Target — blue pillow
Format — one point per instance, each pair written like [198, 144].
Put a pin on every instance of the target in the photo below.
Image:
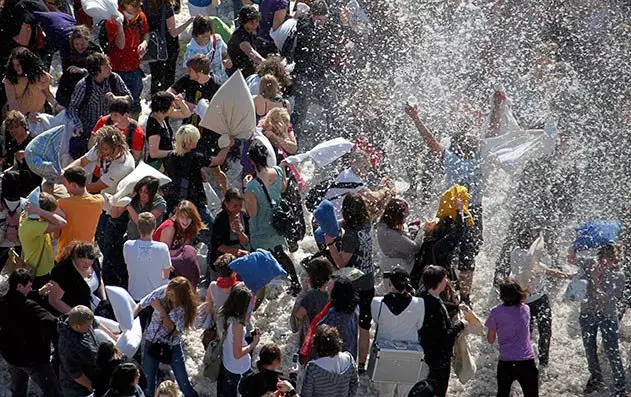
[257, 269]
[58, 26]
[325, 216]
[319, 235]
[596, 233]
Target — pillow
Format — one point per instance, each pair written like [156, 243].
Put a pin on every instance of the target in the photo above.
[595, 234]
[102, 9]
[257, 269]
[126, 186]
[318, 235]
[57, 26]
[129, 341]
[123, 305]
[325, 216]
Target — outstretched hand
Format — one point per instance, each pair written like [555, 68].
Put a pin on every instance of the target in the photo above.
[411, 111]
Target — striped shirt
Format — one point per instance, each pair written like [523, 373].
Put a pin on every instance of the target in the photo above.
[97, 105]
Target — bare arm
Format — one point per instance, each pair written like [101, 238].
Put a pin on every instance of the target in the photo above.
[434, 146]
[175, 31]
[154, 148]
[181, 110]
[279, 18]
[80, 162]
[491, 335]
[116, 212]
[164, 316]
[250, 204]
[300, 313]
[120, 35]
[167, 236]
[97, 186]
[251, 52]
[238, 350]
[12, 97]
[84, 381]
[288, 144]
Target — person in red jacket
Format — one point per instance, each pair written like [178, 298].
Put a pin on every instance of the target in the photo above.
[127, 45]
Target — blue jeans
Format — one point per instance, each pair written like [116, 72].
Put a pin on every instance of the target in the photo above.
[133, 81]
[150, 366]
[608, 324]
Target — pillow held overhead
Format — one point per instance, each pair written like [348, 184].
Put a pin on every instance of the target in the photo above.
[126, 186]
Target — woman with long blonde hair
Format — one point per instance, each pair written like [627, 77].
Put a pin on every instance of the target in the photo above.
[277, 128]
[175, 308]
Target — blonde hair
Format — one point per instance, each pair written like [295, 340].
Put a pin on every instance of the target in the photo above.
[185, 134]
[169, 388]
[276, 117]
[146, 223]
[15, 118]
[269, 87]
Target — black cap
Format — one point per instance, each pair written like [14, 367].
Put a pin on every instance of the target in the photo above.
[399, 278]
[319, 7]
[247, 14]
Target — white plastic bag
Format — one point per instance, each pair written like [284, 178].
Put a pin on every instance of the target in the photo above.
[102, 9]
[464, 365]
[577, 289]
[213, 200]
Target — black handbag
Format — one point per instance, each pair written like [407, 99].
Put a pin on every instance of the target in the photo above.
[283, 218]
[160, 351]
[157, 43]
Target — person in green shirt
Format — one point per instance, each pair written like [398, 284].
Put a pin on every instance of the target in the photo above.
[37, 222]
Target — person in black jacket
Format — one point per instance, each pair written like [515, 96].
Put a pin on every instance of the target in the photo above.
[256, 384]
[231, 228]
[26, 332]
[108, 358]
[438, 334]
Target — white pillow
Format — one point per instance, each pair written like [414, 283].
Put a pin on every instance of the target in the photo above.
[123, 305]
[126, 186]
[129, 341]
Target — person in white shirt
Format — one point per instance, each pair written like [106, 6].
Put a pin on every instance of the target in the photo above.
[399, 317]
[111, 161]
[148, 262]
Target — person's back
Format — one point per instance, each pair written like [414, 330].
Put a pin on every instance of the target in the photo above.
[146, 263]
[262, 233]
[398, 316]
[513, 330]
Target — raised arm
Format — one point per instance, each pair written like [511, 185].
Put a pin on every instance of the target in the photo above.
[434, 146]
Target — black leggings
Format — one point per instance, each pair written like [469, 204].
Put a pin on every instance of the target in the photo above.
[163, 74]
[541, 312]
[524, 372]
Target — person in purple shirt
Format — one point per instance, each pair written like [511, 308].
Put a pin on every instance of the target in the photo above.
[273, 14]
[510, 324]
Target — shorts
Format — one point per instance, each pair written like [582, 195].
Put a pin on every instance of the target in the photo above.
[365, 314]
[471, 242]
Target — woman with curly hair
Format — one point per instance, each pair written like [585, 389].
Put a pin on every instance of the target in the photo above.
[273, 65]
[175, 308]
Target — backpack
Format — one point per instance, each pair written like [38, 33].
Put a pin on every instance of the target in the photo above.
[214, 357]
[133, 127]
[102, 40]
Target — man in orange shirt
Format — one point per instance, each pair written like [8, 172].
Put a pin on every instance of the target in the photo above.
[82, 210]
[127, 45]
[119, 117]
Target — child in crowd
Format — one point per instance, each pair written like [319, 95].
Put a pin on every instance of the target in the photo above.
[206, 42]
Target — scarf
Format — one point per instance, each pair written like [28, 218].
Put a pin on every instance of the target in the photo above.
[227, 282]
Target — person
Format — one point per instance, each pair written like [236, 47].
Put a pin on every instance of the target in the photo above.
[78, 348]
[270, 182]
[206, 42]
[11, 206]
[119, 117]
[180, 229]
[273, 14]
[175, 308]
[18, 139]
[343, 314]
[396, 244]
[314, 297]
[27, 85]
[115, 161]
[438, 333]
[241, 47]
[91, 98]
[161, 17]
[217, 293]
[81, 210]
[108, 358]
[462, 165]
[168, 388]
[127, 44]
[440, 241]
[231, 227]
[605, 283]
[334, 373]
[37, 223]
[231, 326]
[509, 323]
[124, 382]
[277, 128]
[355, 250]
[537, 299]
[146, 198]
[159, 133]
[274, 65]
[26, 332]
[148, 262]
[265, 379]
[78, 274]
[269, 97]
[399, 317]
[77, 49]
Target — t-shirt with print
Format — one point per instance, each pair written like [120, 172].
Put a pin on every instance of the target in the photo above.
[512, 324]
[145, 261]
[359, 242]
[155, 331]
[193, 92]
[112, 172]
[9, 222]
[37, 249]
[127, 59]
[82, 215]
[165, 134]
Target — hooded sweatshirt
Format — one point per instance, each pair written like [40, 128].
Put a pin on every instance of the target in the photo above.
[214, 50]
[77, 354]
[399, 317]
[331, 377]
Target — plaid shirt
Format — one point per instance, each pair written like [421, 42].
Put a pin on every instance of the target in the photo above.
[43, 153]
[156, 332]
[97, 106]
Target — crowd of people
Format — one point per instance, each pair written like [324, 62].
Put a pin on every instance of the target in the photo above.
[69, 228]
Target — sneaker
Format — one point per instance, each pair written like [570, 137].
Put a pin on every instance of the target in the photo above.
[361, 369]
[593, 384]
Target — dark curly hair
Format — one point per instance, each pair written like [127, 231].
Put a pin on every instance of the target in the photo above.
[319, 271]
[512, 294]
[32, 66]
[344, 298]
[327, 341]
[394, 214]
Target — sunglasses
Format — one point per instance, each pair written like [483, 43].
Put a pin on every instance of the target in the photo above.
[86, 256]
